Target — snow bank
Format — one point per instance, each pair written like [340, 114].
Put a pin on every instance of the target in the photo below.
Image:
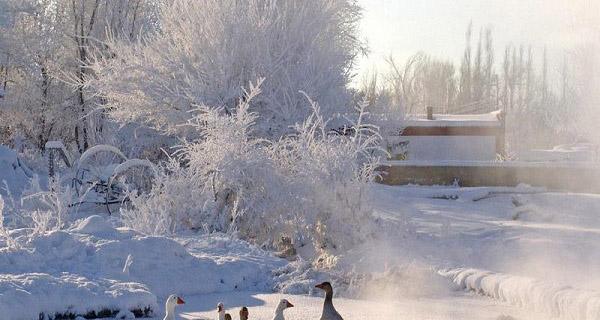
[574, 209]
[460, 194]
[559, 301]
[94, 225]
[569, 152]
[166, 267]
[33, 295]
[96, 250]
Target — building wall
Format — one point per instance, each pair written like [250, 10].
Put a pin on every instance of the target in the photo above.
[474, 148]
[553, 176]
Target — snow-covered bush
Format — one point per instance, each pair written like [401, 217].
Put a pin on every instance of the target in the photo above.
[174, 203]
[206, 50]
[237, 172]
[223, 168]
[332, 172]
[45, 210]
[36, 213]
[311, 187]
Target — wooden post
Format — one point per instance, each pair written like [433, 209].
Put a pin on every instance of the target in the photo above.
[54, 147]
[429, 113]
[50, 163]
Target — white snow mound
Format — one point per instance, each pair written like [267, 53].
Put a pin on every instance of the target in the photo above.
[27, 296]
[94, 225]
[95, 250]
[558, 301]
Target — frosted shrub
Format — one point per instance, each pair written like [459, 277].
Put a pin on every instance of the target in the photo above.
[237, 170]
[310, 187]
[226, 175]
[174, 203]
[5, 235]
[45, 211]
[333, 173]
[38, 212]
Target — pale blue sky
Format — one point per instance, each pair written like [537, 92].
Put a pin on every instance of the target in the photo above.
[403, 27]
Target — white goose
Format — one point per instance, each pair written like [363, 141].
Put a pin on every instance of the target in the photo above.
[172, 302]
[283, 304]
[329, 312]
[221, 311]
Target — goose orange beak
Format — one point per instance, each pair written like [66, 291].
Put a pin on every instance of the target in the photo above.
[180, 301]
[289, 305]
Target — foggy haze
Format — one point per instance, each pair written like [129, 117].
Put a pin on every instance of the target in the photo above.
[402, 28]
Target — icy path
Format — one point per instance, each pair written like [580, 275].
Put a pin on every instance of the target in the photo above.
[261, 306]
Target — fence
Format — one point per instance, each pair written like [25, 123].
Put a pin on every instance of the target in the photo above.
[557, 176]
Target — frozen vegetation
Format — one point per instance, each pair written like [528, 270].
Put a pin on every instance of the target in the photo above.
[221, 154]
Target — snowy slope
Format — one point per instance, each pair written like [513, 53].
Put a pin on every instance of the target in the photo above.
[26, 296]
[88, 260]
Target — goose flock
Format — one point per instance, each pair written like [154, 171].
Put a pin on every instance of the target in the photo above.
[329, 312]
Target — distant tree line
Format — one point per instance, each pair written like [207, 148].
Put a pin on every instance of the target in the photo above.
[540, 110]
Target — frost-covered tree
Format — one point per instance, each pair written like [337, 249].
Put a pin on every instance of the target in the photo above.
[206, 50]
[45, 55]
[423, 82]
[465, 89]
[476, 81]
[583, 92]
[34, 50]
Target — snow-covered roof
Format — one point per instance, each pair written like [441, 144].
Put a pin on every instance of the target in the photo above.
[455, 120]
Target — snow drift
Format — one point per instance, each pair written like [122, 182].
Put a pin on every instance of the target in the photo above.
[557, 300]
[40, 295]
[89, 258]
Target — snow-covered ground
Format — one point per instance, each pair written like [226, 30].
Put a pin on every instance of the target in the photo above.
[261, 306]
[94, 267]
[441, 253]
[521, 231]
[545, 245]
